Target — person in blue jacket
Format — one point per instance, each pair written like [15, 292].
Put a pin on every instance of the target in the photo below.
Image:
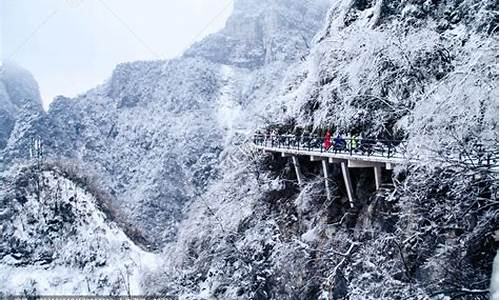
[339, 143]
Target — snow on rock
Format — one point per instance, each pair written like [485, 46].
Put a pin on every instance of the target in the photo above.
[400, 70]
[18, 90]
[19, 85]
[262, 32]
[169, 141]
[495, 280]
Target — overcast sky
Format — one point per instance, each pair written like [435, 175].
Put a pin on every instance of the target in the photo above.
[71, 46]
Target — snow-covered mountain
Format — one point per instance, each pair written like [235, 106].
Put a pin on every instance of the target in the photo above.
[152, 136]
[168, 142]
[154, 131]
[390, 69]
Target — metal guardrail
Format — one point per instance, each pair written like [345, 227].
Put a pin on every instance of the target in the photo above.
[367, 147]
[350, 146]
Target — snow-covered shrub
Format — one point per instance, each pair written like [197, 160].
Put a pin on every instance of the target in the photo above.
[105, 202]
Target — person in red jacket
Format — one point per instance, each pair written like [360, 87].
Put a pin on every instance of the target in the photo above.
[327, 143]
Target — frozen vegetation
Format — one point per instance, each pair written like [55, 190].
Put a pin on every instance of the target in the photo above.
[157, 162]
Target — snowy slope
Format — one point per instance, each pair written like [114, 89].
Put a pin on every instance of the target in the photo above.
[376, 64]
[57, 240]
[153, 136]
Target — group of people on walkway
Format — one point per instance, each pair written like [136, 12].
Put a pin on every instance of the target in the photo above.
[327, 141]
[340, 143]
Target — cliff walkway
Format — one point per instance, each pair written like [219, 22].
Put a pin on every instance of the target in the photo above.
[352, 153]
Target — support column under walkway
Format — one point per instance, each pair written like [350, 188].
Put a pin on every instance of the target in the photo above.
[296, 164]
[348, 183]
[324, 163]
[378, 177]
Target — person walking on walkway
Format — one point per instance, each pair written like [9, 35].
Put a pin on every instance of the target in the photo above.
[297, 135]
[366, 146]
[339, 143]
[273, 137]
[353, 142]
[327, 143]
[306, 139]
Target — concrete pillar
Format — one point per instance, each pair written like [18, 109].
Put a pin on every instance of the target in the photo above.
[296, 164]
[378, 177]
[325, 175]
[348, 184]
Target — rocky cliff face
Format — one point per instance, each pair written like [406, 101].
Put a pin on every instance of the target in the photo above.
[260, 33]
[18, 91]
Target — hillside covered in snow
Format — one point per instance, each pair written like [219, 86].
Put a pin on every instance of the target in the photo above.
[150, 184]
[61, 236]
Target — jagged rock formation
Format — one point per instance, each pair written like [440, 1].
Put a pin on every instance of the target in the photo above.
[150, 136]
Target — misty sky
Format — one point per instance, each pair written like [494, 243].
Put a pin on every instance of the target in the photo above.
[71, 46]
